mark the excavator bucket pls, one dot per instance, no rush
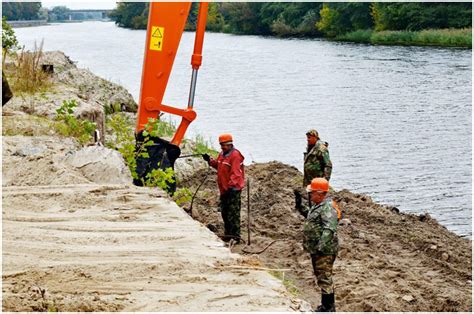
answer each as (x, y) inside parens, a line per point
(162, 154)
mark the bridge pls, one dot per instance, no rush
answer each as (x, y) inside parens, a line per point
(89, 14)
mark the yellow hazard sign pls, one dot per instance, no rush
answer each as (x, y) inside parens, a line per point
(156, 38)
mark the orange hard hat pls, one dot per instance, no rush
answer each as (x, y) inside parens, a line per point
(225, 138)
(318, 184)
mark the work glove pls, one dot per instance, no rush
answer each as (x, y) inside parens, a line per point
(206, 157)
(298, 199)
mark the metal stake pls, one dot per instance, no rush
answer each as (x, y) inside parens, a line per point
(248, 211)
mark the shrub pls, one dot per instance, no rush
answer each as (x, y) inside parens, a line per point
(203, 146)
(69, 125)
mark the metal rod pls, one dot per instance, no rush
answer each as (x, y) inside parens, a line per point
(192, 88)
(248, 211)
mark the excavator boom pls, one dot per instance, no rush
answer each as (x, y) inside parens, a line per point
(166, 24)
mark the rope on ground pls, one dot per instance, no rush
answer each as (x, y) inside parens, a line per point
(261, 251)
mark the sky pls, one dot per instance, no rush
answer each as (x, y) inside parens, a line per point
(84, 4)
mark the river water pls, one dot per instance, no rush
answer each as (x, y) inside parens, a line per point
(397, 119)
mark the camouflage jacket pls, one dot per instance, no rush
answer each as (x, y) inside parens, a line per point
(320, 228)
(317, 163)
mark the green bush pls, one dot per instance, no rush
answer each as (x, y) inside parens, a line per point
(203, 146)
(69, 125)
(123, 140)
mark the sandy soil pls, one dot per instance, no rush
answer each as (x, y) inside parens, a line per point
(388, 261)
(71, 244)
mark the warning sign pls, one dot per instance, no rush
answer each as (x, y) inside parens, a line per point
(156, 39)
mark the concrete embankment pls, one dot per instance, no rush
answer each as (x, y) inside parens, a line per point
(27, 23)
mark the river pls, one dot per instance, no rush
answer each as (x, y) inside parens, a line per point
(397, 119)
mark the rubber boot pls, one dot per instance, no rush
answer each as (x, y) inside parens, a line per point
(327, 303)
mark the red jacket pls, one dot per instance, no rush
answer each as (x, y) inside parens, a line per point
(230, 170)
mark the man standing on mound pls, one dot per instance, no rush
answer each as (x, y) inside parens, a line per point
(231, 180)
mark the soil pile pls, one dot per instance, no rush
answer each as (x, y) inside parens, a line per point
(388, 261)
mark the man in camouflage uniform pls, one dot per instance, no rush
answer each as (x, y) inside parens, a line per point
(317, 163)
(320, 239)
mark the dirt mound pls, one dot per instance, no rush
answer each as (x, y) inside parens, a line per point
(388, 261)
(48, 160)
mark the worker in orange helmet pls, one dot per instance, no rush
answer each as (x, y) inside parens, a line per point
(231, 180)
(320, 239)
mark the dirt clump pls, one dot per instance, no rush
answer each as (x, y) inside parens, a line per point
(388, 261)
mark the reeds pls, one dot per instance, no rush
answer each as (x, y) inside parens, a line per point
(28, 75)
(429, 37)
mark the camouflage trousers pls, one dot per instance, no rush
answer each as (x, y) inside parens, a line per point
(230, 211)
(322, 266)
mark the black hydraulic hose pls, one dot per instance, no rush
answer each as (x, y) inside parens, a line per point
(195, 193)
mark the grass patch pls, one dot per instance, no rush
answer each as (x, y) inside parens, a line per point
(27, 125)
(430, 37)
(289, 284)
(359, 36)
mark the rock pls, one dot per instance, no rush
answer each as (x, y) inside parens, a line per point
(100, 165)
(343, 253)
(408, 298)
(301, 305)
(445, 256)
(395, 209)
(424, 217)
(91, 93)
(433, 247)
(345, 222)
(24, 151)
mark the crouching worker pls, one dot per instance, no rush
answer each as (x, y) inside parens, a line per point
(320, 239)
(230, 179)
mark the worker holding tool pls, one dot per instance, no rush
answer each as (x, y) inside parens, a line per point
(320, 239)
(231, 180)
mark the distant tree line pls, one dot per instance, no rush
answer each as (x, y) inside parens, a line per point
(14, 11)
(312, 19)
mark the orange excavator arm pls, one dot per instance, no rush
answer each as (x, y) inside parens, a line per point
(166, 24)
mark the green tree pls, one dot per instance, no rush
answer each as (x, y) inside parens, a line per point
(339, 18)
(424, 15)
(21, 10)
(59, 13)
(131, 15)
(9, 41)
(215, 20)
